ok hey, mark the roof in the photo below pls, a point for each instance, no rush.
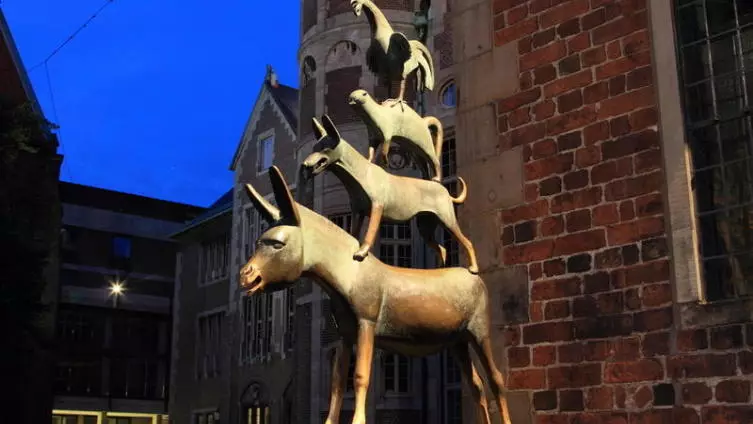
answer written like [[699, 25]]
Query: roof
[[284, 100], [133, 204], [15, 57], [221, 206]]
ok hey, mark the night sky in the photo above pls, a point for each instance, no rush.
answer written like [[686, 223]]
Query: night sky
[[153, 95]]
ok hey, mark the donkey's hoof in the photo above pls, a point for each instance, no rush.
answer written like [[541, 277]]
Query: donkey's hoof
[[360, 255]]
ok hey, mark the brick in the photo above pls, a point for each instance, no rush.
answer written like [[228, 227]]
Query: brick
[[520, 117], [603, 327], [543, 38], [600, 418], [552, 225], [579, 199], [517, 14], [635, 231], [655, 344], [499, 22], [528, 134], [641, 77], [543, 75], [588, 306], [651, 204], [594, 56], [574, 376], [633, 187], [643, 118], [508, 235], [569, 141], [627, 210], [579, 263], [571, 120], [746, 362], [619, 28], [529, 252], [529, 379], [652, 320], [596, 132], [619, 126], [569, 28], [500, 6], [543, 168], [515, 32], [643, 396], [544, 110], [696, 393], [570, 101], [525, 212], [544, 355], [596, 92], [523, 98], [579, 43], [657, 294], [593, 19], [701, 366], [525, 44], [545, 55], [536, 311], [518, 357], [555, 289], [595, 283], [531, 192], [749, 334], [525, 231], [534, 271], [614, 50], [543, 149], [631, 372], [636, 42], [512, 335], [568, 83], [564, 12], [545, 400], [580, 242], [610, 258], [571, 400], [727, 414], [611, 170], [692, 340], [629, 145], [733, 391], [569, 65], [654, 249], [554, 267], [652, 272], [664, 394], [548, 332], [605, 214], [622, 65], [600, 398], [550, 186], [729, 337], [575, 180], [587, 156]]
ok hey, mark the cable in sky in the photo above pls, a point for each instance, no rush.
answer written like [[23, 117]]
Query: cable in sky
[[72, 36]]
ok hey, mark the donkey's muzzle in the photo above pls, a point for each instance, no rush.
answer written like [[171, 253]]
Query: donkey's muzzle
[[251, 280]]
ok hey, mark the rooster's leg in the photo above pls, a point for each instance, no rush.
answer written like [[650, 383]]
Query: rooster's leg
[[400, 96]]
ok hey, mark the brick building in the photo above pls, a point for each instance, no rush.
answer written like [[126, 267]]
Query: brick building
[[606, 144], [114, 306]]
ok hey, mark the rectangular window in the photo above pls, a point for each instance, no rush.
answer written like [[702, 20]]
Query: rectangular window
[[257, 415], [216, 258], [121, 247], [289, 319], [453, 394], [395, 244], [715, 47], [396, 373], [209, 345], [266, 153], [342, 220], [449, 169], [258, 316]]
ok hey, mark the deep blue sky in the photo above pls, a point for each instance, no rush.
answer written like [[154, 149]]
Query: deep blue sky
[[153, 95]]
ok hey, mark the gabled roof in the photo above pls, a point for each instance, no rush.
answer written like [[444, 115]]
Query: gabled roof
[[10, 45], [284, 101], [221, 206]]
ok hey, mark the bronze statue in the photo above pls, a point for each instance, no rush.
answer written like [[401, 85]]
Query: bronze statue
[[412, 131], [414, 312], [391, 55], [379, 194]]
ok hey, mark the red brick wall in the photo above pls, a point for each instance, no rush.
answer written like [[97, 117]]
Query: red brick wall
[[340, 83], [337, 7], [602, 343]]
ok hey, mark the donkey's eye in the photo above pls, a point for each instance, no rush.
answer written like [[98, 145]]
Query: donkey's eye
[[278, 244]]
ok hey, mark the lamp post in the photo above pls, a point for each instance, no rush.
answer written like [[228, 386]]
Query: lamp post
[[117, 288]]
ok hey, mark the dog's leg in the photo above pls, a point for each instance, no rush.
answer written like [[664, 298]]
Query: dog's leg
[[372, 151], [426, 227], [339, 379], [371, 231], [364, 357], [458, 234], [356, 222]]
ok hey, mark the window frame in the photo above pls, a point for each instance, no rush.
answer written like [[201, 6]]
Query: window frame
[[679, 199], [260, 139], [449, 83]]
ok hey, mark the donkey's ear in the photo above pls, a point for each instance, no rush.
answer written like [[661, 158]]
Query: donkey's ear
[[288, 206], [330, 127], [319, 130], [267, 210]]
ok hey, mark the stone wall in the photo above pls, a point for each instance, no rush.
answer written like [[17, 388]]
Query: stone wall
[[603, 340]]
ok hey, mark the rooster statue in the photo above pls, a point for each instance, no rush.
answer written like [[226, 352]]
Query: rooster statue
[[391, 55]]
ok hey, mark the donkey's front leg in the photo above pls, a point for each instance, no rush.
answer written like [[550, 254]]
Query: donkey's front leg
[[364, 357], [339, 378], [374, 219]]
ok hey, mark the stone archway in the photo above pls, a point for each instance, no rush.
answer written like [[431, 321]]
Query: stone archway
[[254, 404]]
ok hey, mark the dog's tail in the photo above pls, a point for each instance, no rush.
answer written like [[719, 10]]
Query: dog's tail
[[439, 137], [463, 193]]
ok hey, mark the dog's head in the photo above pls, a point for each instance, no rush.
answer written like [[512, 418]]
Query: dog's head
[[326, 150]]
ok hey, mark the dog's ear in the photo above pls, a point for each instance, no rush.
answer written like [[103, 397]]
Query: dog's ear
[[319, 131], [330, 127]]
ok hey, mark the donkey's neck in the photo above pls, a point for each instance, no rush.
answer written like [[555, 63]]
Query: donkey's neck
[[378, 23]]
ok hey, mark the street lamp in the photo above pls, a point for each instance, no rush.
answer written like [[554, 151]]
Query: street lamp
[[116, 290]]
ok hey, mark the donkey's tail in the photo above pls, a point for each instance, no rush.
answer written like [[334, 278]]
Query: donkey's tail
[[439, 137], [463, 193]]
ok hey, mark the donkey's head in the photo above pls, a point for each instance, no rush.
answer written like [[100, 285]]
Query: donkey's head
[[278, 259], [328, 147]]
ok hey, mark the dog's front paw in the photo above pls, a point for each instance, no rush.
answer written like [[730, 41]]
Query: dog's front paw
[[473, 269], [361, 254]]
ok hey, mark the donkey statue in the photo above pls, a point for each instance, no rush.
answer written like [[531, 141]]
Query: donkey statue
[[413, 312]]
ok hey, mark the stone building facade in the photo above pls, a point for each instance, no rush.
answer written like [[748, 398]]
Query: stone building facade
[[605, 141]]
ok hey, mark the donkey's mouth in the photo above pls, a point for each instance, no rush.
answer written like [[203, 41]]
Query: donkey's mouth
[[252, 282]]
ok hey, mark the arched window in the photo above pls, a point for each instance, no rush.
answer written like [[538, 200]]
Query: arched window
[[448, 95], [308, 69]]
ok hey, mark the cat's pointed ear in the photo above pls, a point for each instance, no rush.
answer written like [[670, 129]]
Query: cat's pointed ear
[[267, 211], [319, 130], [288, 207]]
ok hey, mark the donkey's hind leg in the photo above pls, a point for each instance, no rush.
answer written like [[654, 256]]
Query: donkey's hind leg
[[483, 347], [463, 358], [427, 226]]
